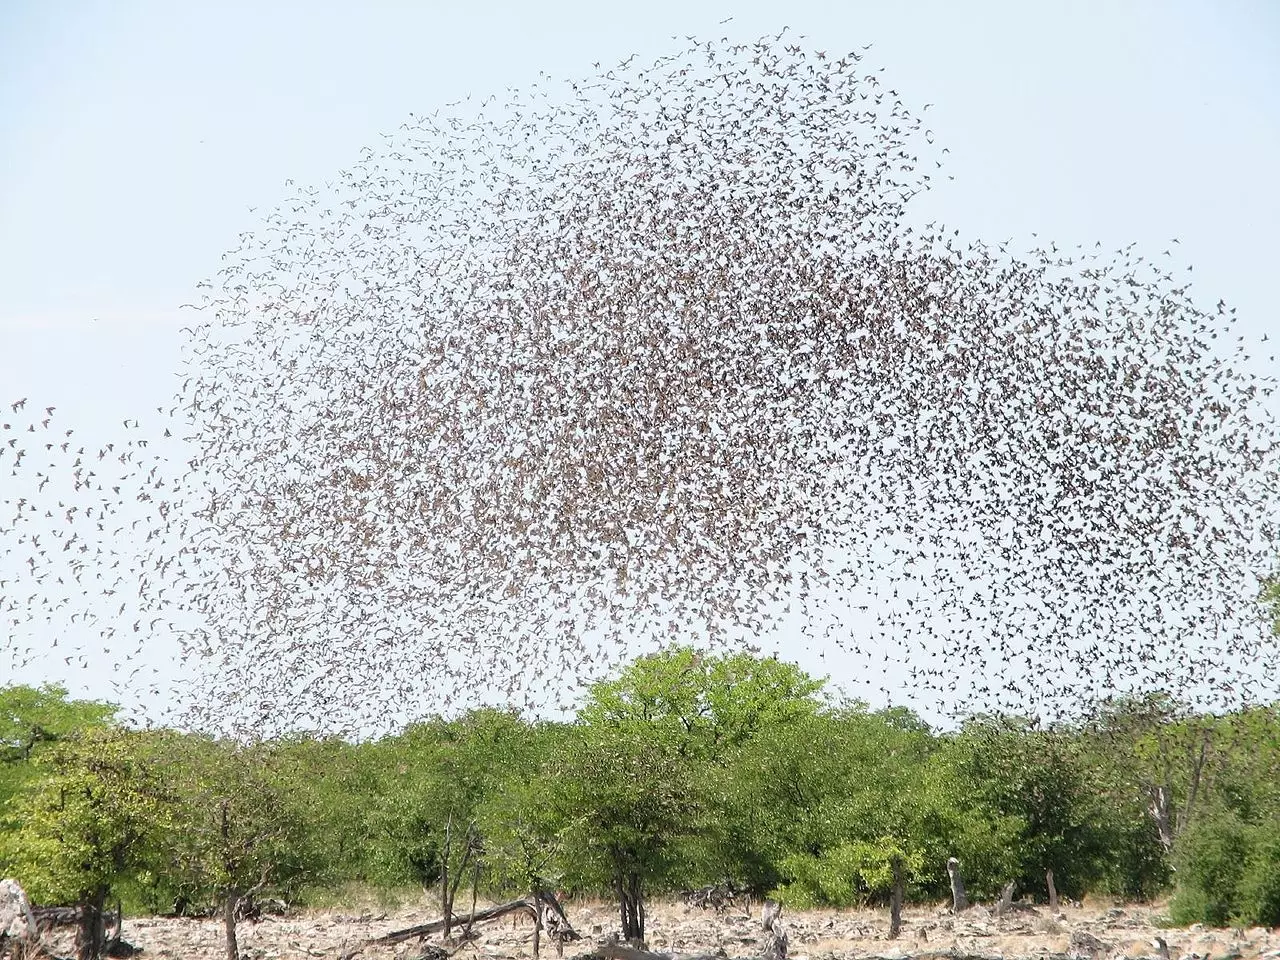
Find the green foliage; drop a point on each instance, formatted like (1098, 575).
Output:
(1211, 863)
(436, 772)
(333, 787)
(854, 872)
(523, 834)
(1259, 896)
(625, 799)
(684, 769)
(704, 705)
(1229, 871)
(30, 716)
(686, 718)
(235, 827)
(1044, 782)
(91, 822)
(32, 719)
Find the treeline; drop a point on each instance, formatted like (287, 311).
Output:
(686, 769)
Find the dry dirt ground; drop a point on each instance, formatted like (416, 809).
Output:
(1090, 932)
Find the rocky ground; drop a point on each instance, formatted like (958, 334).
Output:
(1090, 932)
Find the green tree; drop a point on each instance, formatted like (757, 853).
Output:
(235, 829)
(89, 825)
(705, 704)
(833, 800)
(626, 796)
(1228, 859)
(1069, 819)
(333, 787)
(523, 833)
(437, 773)
(32, 719)
(30, 716)
(704, 710)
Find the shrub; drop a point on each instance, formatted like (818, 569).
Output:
(1211, 859)
(1259, 893)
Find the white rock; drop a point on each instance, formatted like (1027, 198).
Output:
(16, 920)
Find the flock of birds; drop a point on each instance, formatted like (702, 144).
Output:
(658, 355)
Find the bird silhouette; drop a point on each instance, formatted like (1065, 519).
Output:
(660, 354)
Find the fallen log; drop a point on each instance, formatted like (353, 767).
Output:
(528, 905)
(47, 917)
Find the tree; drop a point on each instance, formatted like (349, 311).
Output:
(32, 719)
(30, 716)
(437, 773)
(626, 796)
(707, 708)
(235, 828)
(1069, 819)
(706, 704)
(837, 800)
(89, 825)
(523, 830)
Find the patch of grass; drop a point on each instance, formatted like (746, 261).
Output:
(357, 897)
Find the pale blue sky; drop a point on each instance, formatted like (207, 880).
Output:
(135, 137)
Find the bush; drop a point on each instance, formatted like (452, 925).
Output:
(1228, 872)
(1259, 898)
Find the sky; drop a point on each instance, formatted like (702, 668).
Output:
(138, 139)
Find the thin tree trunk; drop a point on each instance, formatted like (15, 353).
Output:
(1005, 903)
(1053, 890)
(90, 928)
(630, 906)
(895, 900)
(475, 886)
(469, 852)
(446, 902)
(1160, 813)
(229, 904)
(535, 895)
(631, 895)
(959, 901)
(619, 889)
(1193, 789)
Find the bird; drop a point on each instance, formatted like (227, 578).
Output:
(659, 353)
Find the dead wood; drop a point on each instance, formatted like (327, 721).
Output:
(49, 917)
(529, 905)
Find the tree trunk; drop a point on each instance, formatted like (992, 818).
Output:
(1161, 798)
(229, 904)
(446, 902)
(1006, 899)
(895, 900)
(475, 887)
(1053, 890)
(90, 926)
(631, 906)
(1193, 789)
(959, 901)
